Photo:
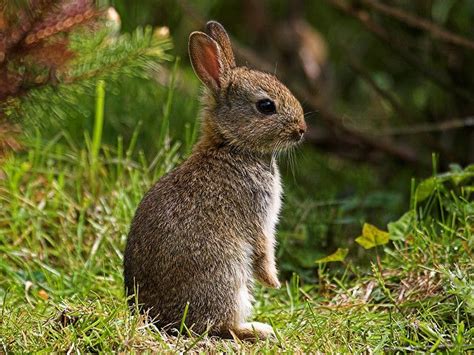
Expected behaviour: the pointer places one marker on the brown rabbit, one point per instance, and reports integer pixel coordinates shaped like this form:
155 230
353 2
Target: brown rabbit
206 230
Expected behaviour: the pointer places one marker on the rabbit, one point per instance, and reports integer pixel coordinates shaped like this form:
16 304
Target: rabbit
206 230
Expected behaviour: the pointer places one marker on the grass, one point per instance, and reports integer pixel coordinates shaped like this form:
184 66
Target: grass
64 216
61 285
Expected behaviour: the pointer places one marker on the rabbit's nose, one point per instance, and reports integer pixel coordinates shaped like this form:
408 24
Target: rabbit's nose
299 131
302 127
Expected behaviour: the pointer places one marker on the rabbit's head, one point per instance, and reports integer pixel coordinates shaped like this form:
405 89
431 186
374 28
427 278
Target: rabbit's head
248 109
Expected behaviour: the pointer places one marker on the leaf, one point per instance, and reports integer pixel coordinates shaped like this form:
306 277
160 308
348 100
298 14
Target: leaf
339 255
426 188
455 168
372 236
398 230
461 177
441 9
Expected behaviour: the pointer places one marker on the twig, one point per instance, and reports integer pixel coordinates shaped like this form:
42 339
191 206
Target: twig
421 23
423 128
365 75
429 127
404 153
400 48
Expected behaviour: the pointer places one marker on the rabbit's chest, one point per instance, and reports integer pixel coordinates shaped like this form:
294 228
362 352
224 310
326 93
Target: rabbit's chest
273 203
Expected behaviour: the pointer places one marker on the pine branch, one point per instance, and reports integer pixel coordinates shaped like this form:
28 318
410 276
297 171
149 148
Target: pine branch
127 55
34 42
54 51
102 57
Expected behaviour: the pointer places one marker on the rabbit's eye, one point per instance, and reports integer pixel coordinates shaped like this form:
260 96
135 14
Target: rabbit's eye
266 106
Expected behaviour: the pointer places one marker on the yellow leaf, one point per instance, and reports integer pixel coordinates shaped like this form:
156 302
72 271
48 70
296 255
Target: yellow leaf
372 236
339 255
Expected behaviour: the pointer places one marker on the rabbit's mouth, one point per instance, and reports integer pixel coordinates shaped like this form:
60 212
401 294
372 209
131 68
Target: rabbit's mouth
297 133
290 141
297 136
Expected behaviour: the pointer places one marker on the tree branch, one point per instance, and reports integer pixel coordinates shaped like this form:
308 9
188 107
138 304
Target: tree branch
420 23
384 94
400 48
443 126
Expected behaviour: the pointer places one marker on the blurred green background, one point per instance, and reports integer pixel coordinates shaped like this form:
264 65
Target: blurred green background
381 96
373 85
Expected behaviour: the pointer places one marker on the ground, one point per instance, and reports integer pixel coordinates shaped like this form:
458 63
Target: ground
64 216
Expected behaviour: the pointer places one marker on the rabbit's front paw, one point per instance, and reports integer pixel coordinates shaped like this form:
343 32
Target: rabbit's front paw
272 282
268 277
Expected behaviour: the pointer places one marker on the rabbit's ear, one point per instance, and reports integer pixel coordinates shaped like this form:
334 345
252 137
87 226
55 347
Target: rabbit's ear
207 60
219 34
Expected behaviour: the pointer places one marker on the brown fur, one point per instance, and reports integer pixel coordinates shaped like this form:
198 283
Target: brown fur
205 231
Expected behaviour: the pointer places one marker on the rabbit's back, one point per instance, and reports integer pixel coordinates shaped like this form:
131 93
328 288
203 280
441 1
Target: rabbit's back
191 238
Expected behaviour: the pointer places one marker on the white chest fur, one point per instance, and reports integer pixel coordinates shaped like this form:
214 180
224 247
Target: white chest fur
273 208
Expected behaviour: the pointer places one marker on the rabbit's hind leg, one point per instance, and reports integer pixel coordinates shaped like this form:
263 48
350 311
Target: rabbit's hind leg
253 331
248 330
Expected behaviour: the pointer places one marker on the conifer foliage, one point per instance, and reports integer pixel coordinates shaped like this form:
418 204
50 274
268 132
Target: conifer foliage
51 48
34 41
